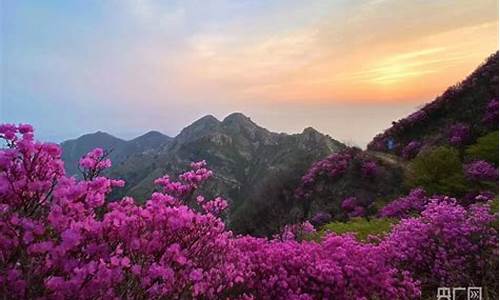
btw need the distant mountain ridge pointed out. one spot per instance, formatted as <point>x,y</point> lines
<point>246,158</point>
<point>119,149</point>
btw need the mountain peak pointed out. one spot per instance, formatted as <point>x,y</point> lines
<point>207,119</point>
<point>239,119</point>
<point>198,128</point>
<point>236,116</point>
<point>310,130</point>
<point>152,135</point>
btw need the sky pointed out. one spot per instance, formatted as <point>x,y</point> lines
<point>345,67</point>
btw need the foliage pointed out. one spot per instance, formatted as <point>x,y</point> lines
<point>447,246</point>
<point>459,134</point>
<point>405,206</point>
<point>369,168</point>
<point>491,114</point>
<point>411,150</point>
<point>331,167</point>
<point>481,170</point>
<point>485,148</point>
<point>352,207</point>
<point>438,171</point>
<point>360,227</point>
<point>321,218</point>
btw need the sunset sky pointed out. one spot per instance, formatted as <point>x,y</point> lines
<point>346,67</point>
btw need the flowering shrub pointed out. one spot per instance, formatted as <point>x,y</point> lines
<point>331,167</point>
<point>459,134</point>
<point>447,246</point>
<point>321,218</point>
<point>405,206</point>
<point>481,170</point>
<point>411,150</point>
<point>295,231</point>
<point>62,238</point>
<point>352,207</point>
<point>339,267</point>
<point>491,114</point>
<point>369,168</point>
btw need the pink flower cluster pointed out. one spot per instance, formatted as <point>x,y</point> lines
<point>481,170</point>
<point>352,207</point>
<point>411,150</point>
<point>331,167</point>
<point>188,181</point>
<point>447,245</point>
<point>295,232</point>
<point>340,267</point>
<point>61,238</point>
<point>491,115</point>
<point>321,218</point>
<point>459,134</point>
<point>369,168</point>
<point>406,206</point>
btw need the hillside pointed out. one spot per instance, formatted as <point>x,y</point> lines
<point>450,146</point>
<point>462,105</point>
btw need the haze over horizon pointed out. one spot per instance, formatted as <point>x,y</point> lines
<point>346,68</point>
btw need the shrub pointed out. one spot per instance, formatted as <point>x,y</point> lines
<point>438,171</point>
<point>481,170</point>
<point>486,148</point>
<point>405,206</point>
<point>448,246</point>
<point>411,150</point>
<point>491,114</point>
<point>321,218</point>
<point>459,134</point>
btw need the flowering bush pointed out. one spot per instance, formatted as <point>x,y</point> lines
<point>331,167</point>
<point>491,114</point>
<point>481,170</point>
<point>295,231</point>
<point>405,206</point>
<point>369,168</point>
<point>62,238</point>
<point>352,207</point>
<point>321,218</point>
<point>447,246</point>
<point>411,150</point>
<point>339,267</point>
<point>459,134</point>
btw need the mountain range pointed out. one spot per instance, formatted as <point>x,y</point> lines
<point>253,166</point>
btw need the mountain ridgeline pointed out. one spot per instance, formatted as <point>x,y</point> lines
<point>119,150</point>
<point>255,169</point>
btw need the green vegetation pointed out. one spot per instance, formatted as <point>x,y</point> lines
<point>438,171</point>
<point>486,148</point>
<point>361,227</point>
